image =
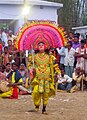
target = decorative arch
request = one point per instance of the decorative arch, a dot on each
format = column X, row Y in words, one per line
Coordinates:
column 35, row 31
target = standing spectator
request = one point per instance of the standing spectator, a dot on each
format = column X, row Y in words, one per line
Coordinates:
column 0, row 33
column 57, row 56
column 0, row 44
column 62, row 56
column 69, row 59
column 80, row 52
column 10, row 46
column 1, row 58
column 4, row 37
column 5, row 56
column 71, row 36
column 76, row 43
column 11, row 36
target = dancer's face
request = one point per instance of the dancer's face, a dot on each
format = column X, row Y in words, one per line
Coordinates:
column 41, row 47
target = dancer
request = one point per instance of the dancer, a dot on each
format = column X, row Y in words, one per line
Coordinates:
column 41, row 35
column 42, row 81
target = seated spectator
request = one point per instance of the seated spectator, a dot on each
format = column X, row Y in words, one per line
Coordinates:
column 7, row 69
column 2, row 78
column 78, row 80
column 11, row 60
column 64, row 81
column 24, row 73
column 14, row 80
column 24, row 89
column 17, row 58
column 77, row 76
column 2, row 75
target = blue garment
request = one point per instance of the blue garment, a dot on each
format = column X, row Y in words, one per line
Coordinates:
column 65, row 86
column 75, row 46
column 69, row 70
column 62, row 53
column 17, row 75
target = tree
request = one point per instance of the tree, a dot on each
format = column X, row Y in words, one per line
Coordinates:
column 71, row 14
column 84, row 21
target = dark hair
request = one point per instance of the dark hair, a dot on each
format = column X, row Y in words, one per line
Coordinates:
column 76, row 36
column 70, row 42
column 6, row 47
column 9, row 40
column 14, row 63
column 86, row 36
column 37, row 51
column 41, row 42
column 83, row 41
column 62, row 69
column 7, row 64
column 22, row 64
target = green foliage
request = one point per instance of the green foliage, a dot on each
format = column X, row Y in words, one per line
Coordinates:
column 84, row 21
column 3, row 25
column 69, row 14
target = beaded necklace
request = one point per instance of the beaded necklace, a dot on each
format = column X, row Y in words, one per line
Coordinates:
column 42, row 59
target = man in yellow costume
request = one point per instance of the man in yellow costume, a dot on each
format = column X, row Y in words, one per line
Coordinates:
column 42, row 77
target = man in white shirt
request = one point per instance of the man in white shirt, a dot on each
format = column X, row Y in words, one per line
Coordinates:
column 64, row 81
column 61, row 53
column 69, row 59
column 4, row 37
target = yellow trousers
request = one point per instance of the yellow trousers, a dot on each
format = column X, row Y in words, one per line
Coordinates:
column 7, row 94
column 37, row 96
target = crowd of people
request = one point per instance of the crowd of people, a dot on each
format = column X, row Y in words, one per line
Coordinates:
column 68, row 69
column 73, row 60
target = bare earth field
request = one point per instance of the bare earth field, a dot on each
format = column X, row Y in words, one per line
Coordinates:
column 64, row 106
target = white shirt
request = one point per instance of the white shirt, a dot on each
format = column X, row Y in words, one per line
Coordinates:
column 69, row 57
column 65, row 78
column 4, row 38
column 61, row 52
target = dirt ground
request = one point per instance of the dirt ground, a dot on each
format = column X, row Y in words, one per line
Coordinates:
column 64, row 106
